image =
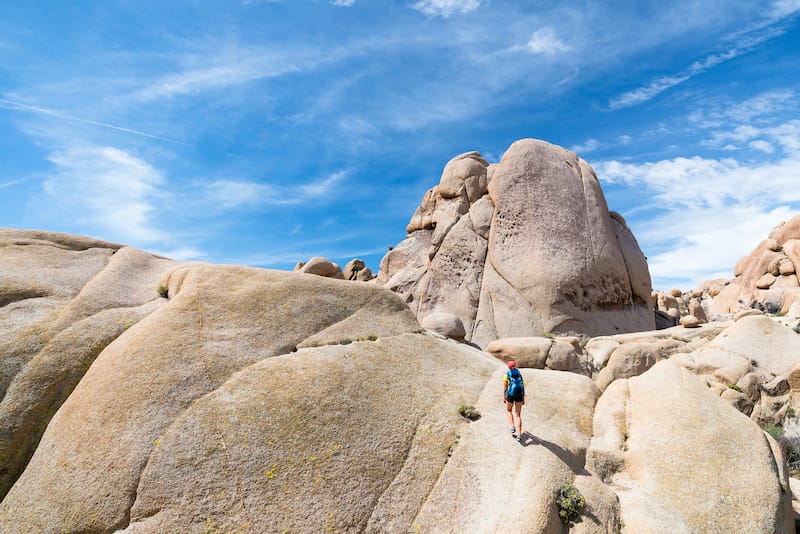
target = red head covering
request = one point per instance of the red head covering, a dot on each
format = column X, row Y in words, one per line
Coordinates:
column 512, row 364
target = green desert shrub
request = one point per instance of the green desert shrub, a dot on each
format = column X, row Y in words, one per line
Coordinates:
column 163, row 291
column 735, row 387
column 570, row 503
column 469, row 411
column 774, row 431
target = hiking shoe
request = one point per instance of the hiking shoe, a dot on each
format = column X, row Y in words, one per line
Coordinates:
column 514, row 430
column 514, row 435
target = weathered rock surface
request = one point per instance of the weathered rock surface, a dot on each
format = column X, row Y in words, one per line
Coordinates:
column 63, row 299
column 526, row 249
column 651, row 458
column 494, row 484
column 201, row 414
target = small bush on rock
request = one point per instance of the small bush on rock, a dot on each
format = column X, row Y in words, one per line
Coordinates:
column 469, row 411
column 735, row 387
column 163, row 292
column 570, row 503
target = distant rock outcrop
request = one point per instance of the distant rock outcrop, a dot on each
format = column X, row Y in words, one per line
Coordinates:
column 521, row 248
column 354, row 270
column 767, row 277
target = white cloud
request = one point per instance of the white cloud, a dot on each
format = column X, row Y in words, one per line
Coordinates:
column 446, row 8
column 762, row 146
column 343, row 3
column 545, row 42
column 708, row 213
column 784, row 8
column 763, row 104
column 712, row 243
column 624, row 139
column 230, row 194
column 589, row 146
column 787, row 136
column 105, row 189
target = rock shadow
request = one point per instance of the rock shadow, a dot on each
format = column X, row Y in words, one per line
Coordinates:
column 576, row 462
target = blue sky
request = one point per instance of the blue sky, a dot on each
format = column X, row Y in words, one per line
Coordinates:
column 264, row 132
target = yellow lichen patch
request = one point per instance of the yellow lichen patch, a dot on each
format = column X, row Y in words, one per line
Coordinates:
column 330, row 523
column 272, row 472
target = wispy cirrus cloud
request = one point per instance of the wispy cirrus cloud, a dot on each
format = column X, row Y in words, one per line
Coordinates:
column 446, row 8
column 230, row 194
column 104, row 187
column 225, row 69
column 745, row 43
column 10, row 183
column 759, row 108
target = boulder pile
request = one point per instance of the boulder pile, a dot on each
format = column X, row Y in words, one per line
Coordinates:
column 354, row 270
column 520, row 248
column 767, row 277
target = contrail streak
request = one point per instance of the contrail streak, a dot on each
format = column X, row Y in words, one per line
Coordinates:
column 19, row 106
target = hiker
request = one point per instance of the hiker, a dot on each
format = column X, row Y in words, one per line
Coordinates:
column 514, row 397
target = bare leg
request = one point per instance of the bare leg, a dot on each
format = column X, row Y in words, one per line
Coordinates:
column 518, row 409
column 510, row 416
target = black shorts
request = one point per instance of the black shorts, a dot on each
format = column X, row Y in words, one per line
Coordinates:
column 515, row 398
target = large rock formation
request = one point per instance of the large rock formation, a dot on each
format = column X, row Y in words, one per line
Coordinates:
column 147, row 396
column 521, row 248
column 767, row 277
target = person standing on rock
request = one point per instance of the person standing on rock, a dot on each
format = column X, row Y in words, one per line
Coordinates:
column 514, row 397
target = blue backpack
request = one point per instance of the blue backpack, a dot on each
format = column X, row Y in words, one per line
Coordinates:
column 515, row 386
